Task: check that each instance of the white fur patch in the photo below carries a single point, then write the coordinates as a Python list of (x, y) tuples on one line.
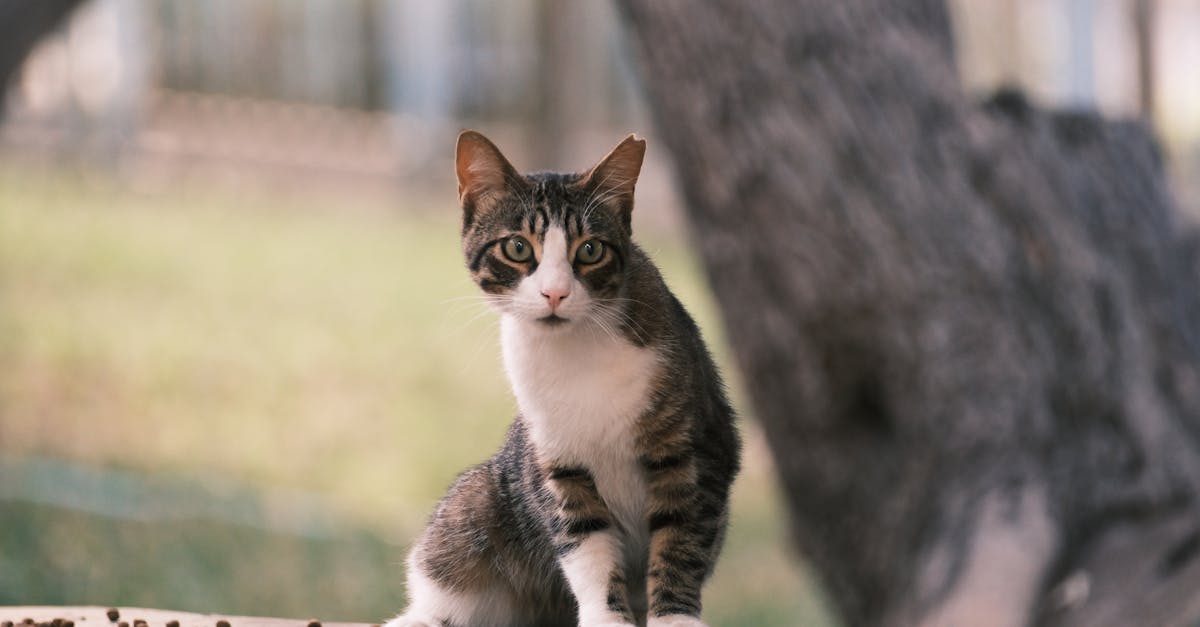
[(587, 570), (430, 604), (581, 392), (554, 271)]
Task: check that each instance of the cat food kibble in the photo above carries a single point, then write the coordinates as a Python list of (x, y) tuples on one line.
[(222, 623), (7, 623), (122, 624), (314, 623), (113, 614), (172, 623)]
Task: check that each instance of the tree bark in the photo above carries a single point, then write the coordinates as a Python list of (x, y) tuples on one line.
[(22, 24), (971, 332)]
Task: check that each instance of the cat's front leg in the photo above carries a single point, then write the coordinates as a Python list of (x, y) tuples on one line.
[(686, 524), (589, 550), (680, 558), (593, 570)]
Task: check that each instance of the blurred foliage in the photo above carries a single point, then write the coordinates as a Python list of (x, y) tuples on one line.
[(294, 343)]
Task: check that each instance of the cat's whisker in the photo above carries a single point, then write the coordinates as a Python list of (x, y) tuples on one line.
[(597, 190), (479, 346), (605, 320), (627, 317), (603, 326), (466, 297), (521, 188), (620, 317), (485, 303), (622, 299), (479, 315), (615, 190), (457, 309), (601, 194)]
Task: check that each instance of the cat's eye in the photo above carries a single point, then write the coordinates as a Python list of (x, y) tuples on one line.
[(518, 249), (589, 252)]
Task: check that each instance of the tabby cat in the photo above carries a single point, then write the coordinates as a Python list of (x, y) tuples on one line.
[(608, 501)]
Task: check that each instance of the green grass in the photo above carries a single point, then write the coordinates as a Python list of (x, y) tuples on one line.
[(173, 565), (287, 343)]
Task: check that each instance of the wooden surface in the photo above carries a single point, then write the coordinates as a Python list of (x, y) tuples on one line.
[(95, 616)]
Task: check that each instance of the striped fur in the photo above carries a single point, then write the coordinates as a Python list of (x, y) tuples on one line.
[(608, 501)]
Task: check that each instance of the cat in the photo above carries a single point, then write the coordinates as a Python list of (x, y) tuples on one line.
[(608, 502)]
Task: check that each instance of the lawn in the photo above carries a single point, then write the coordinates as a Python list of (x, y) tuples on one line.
[(236, 401)]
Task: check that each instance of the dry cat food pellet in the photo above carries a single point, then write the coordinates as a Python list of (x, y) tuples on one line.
[(222, 623), (314, 623), (7, 623), (137, 622), (113, 614), (122, 624), (65, 623), (172, 623)]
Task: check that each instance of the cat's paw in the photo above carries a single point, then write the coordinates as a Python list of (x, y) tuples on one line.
[(413, 621), (675, 620)]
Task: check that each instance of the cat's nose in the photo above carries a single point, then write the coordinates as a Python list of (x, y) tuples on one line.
[(555, 296)]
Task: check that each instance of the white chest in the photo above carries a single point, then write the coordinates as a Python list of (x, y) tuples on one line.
[(581, 393)]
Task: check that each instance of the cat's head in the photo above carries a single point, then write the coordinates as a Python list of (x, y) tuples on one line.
[(549, 249)]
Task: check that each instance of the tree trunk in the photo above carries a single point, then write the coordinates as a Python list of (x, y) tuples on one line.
[(1145, 41), (22, 24), (972, 333)]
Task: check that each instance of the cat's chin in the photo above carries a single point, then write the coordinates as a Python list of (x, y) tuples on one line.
[(551, 324), (552, 321)]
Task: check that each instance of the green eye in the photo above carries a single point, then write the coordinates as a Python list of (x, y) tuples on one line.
[(589, 252), (518, 249)]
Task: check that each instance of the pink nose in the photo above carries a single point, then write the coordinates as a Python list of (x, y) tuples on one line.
[(555, 296)]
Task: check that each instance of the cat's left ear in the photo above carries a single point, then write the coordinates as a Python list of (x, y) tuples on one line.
[(484, 175), (614, 178)]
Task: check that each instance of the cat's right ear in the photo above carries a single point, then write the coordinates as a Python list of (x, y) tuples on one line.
[(484, 175)]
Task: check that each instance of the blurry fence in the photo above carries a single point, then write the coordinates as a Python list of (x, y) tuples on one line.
[(272, 133), (363, 87), (378, 87)]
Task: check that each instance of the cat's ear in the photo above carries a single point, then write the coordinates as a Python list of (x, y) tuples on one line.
[(614, 178), (484, 175)]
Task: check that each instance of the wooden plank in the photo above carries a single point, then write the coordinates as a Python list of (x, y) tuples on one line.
[(96, 616)]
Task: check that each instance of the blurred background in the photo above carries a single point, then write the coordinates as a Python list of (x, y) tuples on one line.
[(240, 358)]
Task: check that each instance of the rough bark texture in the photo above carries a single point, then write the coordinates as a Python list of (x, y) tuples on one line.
[(22, 24), (971, 332)]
